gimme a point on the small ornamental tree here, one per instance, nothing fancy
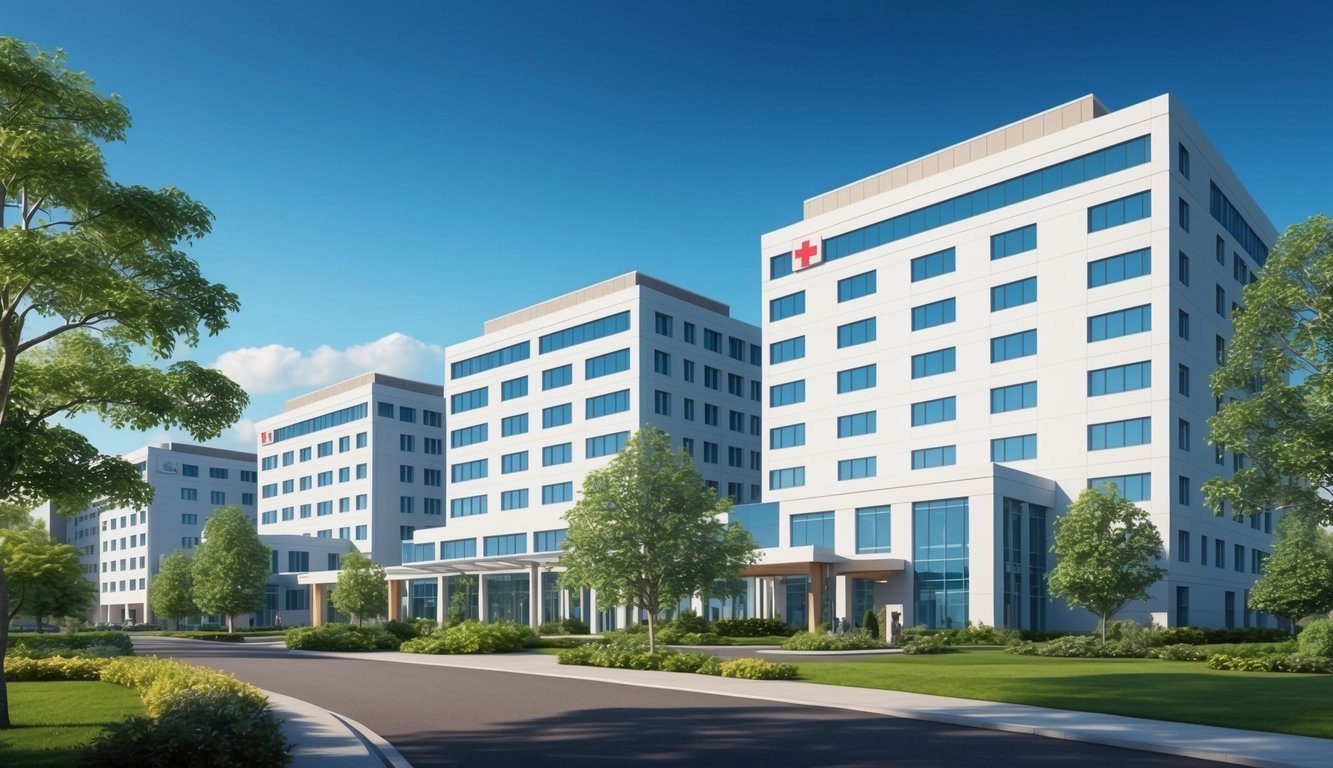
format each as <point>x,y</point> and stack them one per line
<point>1107,550</point>
<point>647,531</point>
<point>1298,576</point>
<point>171,590</point>
<point>231,566</point>
<point>362,590</point>
<point>45,577</point>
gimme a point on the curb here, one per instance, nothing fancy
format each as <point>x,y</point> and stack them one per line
<point>325,738</point>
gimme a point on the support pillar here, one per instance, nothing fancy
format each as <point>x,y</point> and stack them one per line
<point>813,595</point>
<point>440,602</point>
<point>396,600</point>
<point>594,616</point>
<point>319,595</point>
<point>534,597</point>
<point>483,612</point>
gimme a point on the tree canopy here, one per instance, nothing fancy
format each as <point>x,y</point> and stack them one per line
<point>1298,575</point>
<point>1279,370</point>
<point>171,589</point>
<point>46,579</point>
<point>91,272</point>
<point>231,566</point>
<point>1107,549</point>
<point>647,531</point>
<point>362,590</point>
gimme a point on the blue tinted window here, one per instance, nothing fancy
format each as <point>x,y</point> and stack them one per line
<point>1122,211</point>
<point>467,401</point>
<point>792,477</point>
<point>1131,487</point>
<point>852,379</point>
<point>933,314</point>
<point>1018,448</point>
<point>934,411</point>
<point>856,424</point>
<point>467,506</point>
<point>1014,397</point>
<point>789,436</point>
<point>468,470</point>
<point>872,530</point>
<point>458,548</point>
<point>933,363</point>
<point>589,331</point>
<point>1120,378</point>
<point>513,462</point>
<point>855,469</point>
<point>1014,241</point>
<point>788,349</point>
<point>557,493</point>
<point>605,445</point>
<point>933,265</point>
<point>605,405</point>
<point>560,376</point>
<point>787,306</point>
<point>856,286</point>
<point>557,454</point>
<point>1013,294</point>
<point>466,436</point>
<point>507,544</point>
<point>1124,266</point>
<point>548,541</point>
<point>940,561</point>
<point>940,456</point>
<point>489,360</point>
<point>779,266</point>
<point>1123,322</point>
<point>512,389</point>
<point>516,499</point>
<point>514,425</point>
<point>786,394</point>
<point>557,415</point>
<point>325,421</point>
<point>1231,219</point>
<point>1013,345</point>
<point>1118,434</point>
<point>605,365</point>
<point>815,528</point>
<point>859,332</point>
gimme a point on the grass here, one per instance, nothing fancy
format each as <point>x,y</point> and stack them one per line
<point>1181,691</point>
<point>53,721</point>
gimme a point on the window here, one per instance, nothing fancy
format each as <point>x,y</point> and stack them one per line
<point>325,479</point>
<point>736,421</point>
<point>1220,301</point>
<point>856,424</point>
<point>384,409</point>
<point>467,506</point>
<point>489,360</point>
<point>712,341</point>
<point>467,470</point>
<point>430,445</point>
<point>557,454</point>
<point>1182,607</point>
<point>661,403</point>
<point>548,541</point>
<point>405,414</point>
<point>1121,211</point>
<point>1220,350</point>
<point>1122,322</point>
<point>710,377</point>
<point>507,544</point>
<point>855,469</point>
<point>268,517</point>
<point>790,436</point>
<point>305,454</point>
<point>1018,448</point>
<point>786,394</point>
<point>924,316</point>
<point>190,518</point>
<point>1182,160</point>
<point>431,418</point>
<point>217,473</point>
<point>361,436</point>
<point>687,408</point>
<point>1121,267</point>
<point>557,415</point>
<point>934,411</point>
<point>344,445</point>
<point>605,445</point>
<point>710,452</point>
<point>467,401</point>
<point>1014,397</point>
<point>872,530</point>
<point>1128,487</point>
<point>787,350</point>
<point>688,334</point>
<point>663,324</point>
<point>560,376</point>
<point>1226,214</point>
<point>1014,241</point>
<point>192,494</point>
<point>513,462</point>
<point>854,379</point>
<point>514,425</point>
<point>940,456</point>
<point>189,470</point>
<point>589,331</point>
<point>269,462</point>
<point>1183,491</point>
<point>812,529</point>
<point>935,363</point>
<point>1238,558</point>
<point>557,493</point>
<point>859,332</point>
<point>1120,378</point>
<point>514,388</point>
<point>218,498</point>
<point>605,405</point>
<point>458,548</point>
<point>1203,550</point>
<point>1240,271</point>
<point>735,385</point>
<point>457,438</point>
<point>516,499</point>
<point>1012,346</point>
<point>784,307</point>
<point>1183,214</point>
<point>611,362</point>
<point>1183,380</point>
<point>1013,294</point>
<point>405,473</point>
<point>431,477</point>
<point>298,562</point>
<point>1183,324</point>
<point>687,370</point>
<point>1219,553</point>
<point>1182,268</point>
<point>933,265</point>
<point>792,477</point>
<point>856,286</point>
<point>1119,434</point>
<point>1182,434</point>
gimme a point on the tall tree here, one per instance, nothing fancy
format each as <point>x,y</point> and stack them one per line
<point>91,271</point>
<point>231,566</point>
<point>171,589</point>
<point>1107,549</point>
<point>1279,369</point>
<point>46,578</point>
<point>1298,576</point>
<point>648,531</point>
<point>362,588</point>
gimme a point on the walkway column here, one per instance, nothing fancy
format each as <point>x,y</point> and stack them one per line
<point>396,600</point>
<point>318,598</point>
<point>482,612</point>
<point>594,617</point>
<point>815,591</point>
<point>534,597</point>
<point>440,601</point>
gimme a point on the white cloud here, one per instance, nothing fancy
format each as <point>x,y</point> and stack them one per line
<point>275,368</point>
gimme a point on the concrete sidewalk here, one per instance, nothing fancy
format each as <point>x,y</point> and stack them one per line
<point>327,739</point>
<point>1228,745</point>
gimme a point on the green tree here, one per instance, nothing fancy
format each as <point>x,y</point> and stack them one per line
<point>45,577</point>
<point>1298,576</point>
<point>171,590</point>
<point>362,588</point>
<point>1279,370</point>
<point>647,530</point>
<point>91,271</point>
<point>231,566</point>
<point>1107,550</point>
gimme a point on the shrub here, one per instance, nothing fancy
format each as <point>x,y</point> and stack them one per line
<point>157,680</point>
<point>1247,635</point>
<point>927,644</point>
<point>1080,647</point>
<point>19,669</point>
<point>685,662</point>
<point>981,634</point>
<point>474,637</point>
<point>688,622</point>
<point>401,630</point>
<point>1134,632</point>
<point>1317,639</point>
<point>806,641</point>
<point>563,627</point>
<point>340,637</point>
<point>870,623</point>
<point>1179,635</point>
<point>757,669</point>
<point>217,637</point>
<point>41,646</point>
<point>424,627</point>
<point>753,628</point>
<point>1178,652</point>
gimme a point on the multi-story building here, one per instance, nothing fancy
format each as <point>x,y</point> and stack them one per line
<point>550,392</point>
<point>958,346</point>
<point>121,548</point>
<point>361,460</point>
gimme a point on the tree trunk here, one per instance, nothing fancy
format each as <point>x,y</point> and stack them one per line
<point>4,647</point>
<point>1103,618</point>
<point>652,633</point>
<point>231,623</point>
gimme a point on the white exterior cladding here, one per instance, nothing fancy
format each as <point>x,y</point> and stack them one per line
<point>122,548</point>
<point>369,471</point>
<point>694,398</point>
<point>1064,409</point>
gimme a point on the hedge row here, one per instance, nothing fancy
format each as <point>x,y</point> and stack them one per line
<point>474,637</point>
<point>88,644</point>
<point>822,641</point>
<point>632,653</point>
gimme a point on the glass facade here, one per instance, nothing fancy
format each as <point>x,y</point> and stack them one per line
<point>940,563</point>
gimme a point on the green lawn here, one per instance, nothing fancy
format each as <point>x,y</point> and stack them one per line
<point>1183,691</point>
<point>54,720</point>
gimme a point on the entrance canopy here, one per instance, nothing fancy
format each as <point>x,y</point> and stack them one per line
<point>472,565</point>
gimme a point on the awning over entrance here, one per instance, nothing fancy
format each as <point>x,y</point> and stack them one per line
<point>798,561</point>
<point>475,565</point>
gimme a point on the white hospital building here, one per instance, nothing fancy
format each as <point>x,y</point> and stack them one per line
<point>959,345</point>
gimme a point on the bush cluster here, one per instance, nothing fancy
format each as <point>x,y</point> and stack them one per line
<point>563,627</point>
<point>84,644</point>
<point>757,669</point>
<point>808,641</point>
<point>627,652</point>
<point>674,635</point>
<point>217,637</point>
<point>20,669</point>
<point>1276,662</point>
<point>1081,647</point>
<point>688,622</point>
<point>474,637</point>
<point>753,628</point>
<point>927,644</point>
<point>979,634</point>
<point>1177,652</point>
<point>1317,639</point>
<point>340,637</point>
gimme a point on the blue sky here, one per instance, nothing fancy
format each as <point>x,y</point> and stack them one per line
<point>386,179</point>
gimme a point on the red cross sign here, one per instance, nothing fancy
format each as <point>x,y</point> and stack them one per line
<point>805,253</point>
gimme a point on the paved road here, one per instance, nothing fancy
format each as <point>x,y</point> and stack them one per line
<point>439,716</point>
